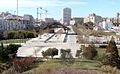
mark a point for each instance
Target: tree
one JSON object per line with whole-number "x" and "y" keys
{"x": 1, "y": 36}
{"x": 31, "y": 35}
{"x": 89, "y": 25}
{"x": 12, "y": 48}
{"x": 111, "y": 56}
{"x": 66, "y": 56}
{"x": 11, "y": 35}
{"x": 3, "y": 54}
{"x": 7, "y": 53}
{"x": 23, "y": 64}
{"x": 78, "y": 53}
{"x": 112, "y": 48}
{"x": 51, "y": 52}
{"x": 21, "y": 34}
{"x": 90, "y": 52}
{"x": 44, "y": 54}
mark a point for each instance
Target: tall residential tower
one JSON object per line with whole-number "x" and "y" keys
{"x": 66, "y": 16}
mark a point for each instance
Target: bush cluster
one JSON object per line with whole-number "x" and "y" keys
{"x": 90, "y": 52}
{"x": 50, "y": 52}
{"x": 8, "y": 53}
{"x": 67, "y": 57}
{"x": 20, "y": 34}
{"x": 23, "y": 64}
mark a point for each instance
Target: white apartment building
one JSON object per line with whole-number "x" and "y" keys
{"x": 114, "y": 19}
{"x": 13, "y": 22}
{"x": 6, "y": 25}
{"x": 93, "y": 18}
{"x": 106, "y": 25}
{"x": 66, "y": 16}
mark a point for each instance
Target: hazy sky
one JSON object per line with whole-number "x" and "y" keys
{"x": 79, "y": 7}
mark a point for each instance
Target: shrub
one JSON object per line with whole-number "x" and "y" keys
{"x": 83, "y": 47}
{"x": 7, "y": 53}
{"x": 23, "y": 64}
{"x": 78, "y": 53}
{"x": 30, "y": 35}
{"x": 50, "y": 52}
{"x": 67, "y": 57}
{"x": 103, "y": 46}
{"x": 90, "y": 52}
{"x": 110, "y": 69}
{"x": 11, "y": 35}
{"x": 20, "y": 34}
{"x": 44, "y": 54}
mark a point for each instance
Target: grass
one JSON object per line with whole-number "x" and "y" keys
{"x": 80, "y": 29}
{"x": 83, "y": 64}
{"x": 14, "y": 41}
{"x": 80, "y": 64}
{"x": 51, "y": 65}
{"x": 87, "y": 64}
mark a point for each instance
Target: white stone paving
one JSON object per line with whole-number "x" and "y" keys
{"x": 35, "y": 46}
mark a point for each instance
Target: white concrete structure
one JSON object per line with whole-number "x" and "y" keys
{"x": 93, "y": 18}
{"x": 106, "y": 25}
{"x": 66, "y": 15}
{"x": 35, "y": 46}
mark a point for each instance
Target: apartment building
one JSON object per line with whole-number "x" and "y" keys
{"x": 9, "y": 21}
{"x": 93, "y": 18}
{"x": 66, "y": 16}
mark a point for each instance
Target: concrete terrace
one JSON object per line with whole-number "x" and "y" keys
{"x": 64, "y": 40}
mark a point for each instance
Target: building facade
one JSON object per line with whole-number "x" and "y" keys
{"x": 66, "y": 16}
{"x": 28, "y": 19}
{"x": 9, "y": 22}
{"x": 76, "y": 20}
{"x": 106, "y": 25}
{"x": 93, "y": 18}
{"x": 49, "y": 20}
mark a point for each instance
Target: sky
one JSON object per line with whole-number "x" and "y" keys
{"x": 80, "y": 8}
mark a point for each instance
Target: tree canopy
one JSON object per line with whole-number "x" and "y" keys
{"x": 111, "y": 57}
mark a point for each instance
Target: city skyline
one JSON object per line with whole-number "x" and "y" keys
{"x": 80, "y": 8}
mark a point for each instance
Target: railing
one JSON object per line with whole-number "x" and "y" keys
{"x": 65, "y": 39}
{"x": 49, "y": 38}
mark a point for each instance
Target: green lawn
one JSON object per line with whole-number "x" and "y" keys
{"x": 78, "y": 64}
{"x": 14, "y": 41}
{"x": 54, "y": 65}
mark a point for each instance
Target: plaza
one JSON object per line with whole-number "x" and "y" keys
{"x": 64, "y": 40}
